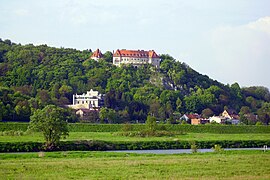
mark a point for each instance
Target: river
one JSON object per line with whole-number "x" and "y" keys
{"x": 180, "y": 151}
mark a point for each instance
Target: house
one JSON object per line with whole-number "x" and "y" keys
{"x": 83, "y": 112}
{"x": 136, "y": 57}
{"x": 97, "y": 55}
{"x": 218, "y": 119}
{"x": 88, "y": 114}
{"x": 230, "y": 114}
{"x": 189, "y": 117}
{"x": 197, "y": 121}
{"x": 90, "y": 100}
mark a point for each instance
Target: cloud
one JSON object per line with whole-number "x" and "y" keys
{"x": 241, "y": 53}
{"x": 262, "y": 24}
{"x": 21, "y": 12}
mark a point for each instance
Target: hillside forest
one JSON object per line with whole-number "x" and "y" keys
{"x": 32, "y": 77}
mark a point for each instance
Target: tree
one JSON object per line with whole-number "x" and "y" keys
{"x": 206, "y": 113}
{"x": 245, "y": 110}
{"x": 178, "y": 104}
{"x": 154, "y": 107}
{"x": 151, "y": 123}
{"x": 51, "y": 122}
{"x": 264, "y": 113}
{"x": 108, "y": 56}
{"x": 108, "y": 115}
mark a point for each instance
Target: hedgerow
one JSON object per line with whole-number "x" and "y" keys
{"x": 104, "y": 146}
{"x": 216, "y": 129}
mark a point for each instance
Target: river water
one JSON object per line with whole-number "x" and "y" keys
{"x": 180, "y": 151}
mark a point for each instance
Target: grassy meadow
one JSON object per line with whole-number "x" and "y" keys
{"x": 108, "y": 165}
{"x": 113, "y": 136}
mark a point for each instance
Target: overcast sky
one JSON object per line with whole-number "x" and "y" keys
{"x": 228, "y": 40}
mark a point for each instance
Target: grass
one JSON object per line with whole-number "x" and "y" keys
{"x": 107, "y": 165}
{"x": 106, "y": 136}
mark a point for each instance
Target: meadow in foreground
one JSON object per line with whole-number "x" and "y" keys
{"x": 108, "y": 165}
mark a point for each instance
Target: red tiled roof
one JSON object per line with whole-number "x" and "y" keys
{"x": 135, "y": 53}
{"x": 193, "y": 116}
{"x": 97, "y": 54}
{"x": 152, "y": 54}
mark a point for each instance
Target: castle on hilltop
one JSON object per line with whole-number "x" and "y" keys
{"x": 134, "y": 57}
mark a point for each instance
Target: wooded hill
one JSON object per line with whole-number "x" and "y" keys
{"x": 32, "y": 77}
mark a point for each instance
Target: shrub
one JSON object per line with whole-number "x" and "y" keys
{"x": 193, "y": 147}
{"x": 217, "y": 148}
{"x": 126, "y": 127}
{"x": 12, "y": 133}
{"x": 41, "y": 154}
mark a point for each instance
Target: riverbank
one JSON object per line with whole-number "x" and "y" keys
{"x": 104, "y": 165}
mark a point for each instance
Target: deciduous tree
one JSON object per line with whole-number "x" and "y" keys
{"x": 51, "y": 122}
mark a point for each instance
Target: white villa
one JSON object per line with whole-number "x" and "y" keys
{"x": 136, "y": 57}
{"x": 90, "y": 100}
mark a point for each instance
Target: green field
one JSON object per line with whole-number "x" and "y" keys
{"x": 107, "y": 165}
{"x": 106, "y": 136}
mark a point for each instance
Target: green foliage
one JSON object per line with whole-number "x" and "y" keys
{"x": 127, "y": 127}
{"x": 11, "y": 126}
{"x": 32, "y": 77}
{"x": 51, "y": 122}
{"x": 264, "y": 113}
{"x": 127, "y": 145}
{"x": 193, "y": 147}
{"x": 151, "y": 124}
{"x": 216, "y": 129}
{"x": 12, "y": 133}
{"x": 108, "y": 115}
{"x": 149, "y": 133}
{"x": 217, "y": 148}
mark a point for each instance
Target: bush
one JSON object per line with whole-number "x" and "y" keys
{"x": 126, "y": 127}
{"x": 12, "y": 133}
{"x": 15, "y": 126}
{"x": 193, "y": 147}
{"x": 217, "y": 148}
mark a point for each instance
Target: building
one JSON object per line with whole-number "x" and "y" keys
{"x": 230, "y": 114}
{"x": 91, "y": 100}
{"x": 198, "y": 121}
{"x": 97, "y": 55}
{"x": 189, "y": 117}
{"x": 218, "y": 119}
{"x": 88, "y": 115}
{"x": 136, "y": 57}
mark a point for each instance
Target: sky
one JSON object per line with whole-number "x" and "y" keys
{"x": 228, "y": 40}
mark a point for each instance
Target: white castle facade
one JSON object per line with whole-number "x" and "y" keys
{"x": 136, "y": 57}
